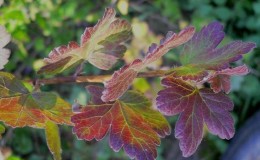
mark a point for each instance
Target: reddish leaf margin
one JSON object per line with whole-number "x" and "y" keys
{"x": 196, "y": 107}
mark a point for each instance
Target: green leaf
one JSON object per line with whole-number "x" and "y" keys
{"x": 2, "y": 130}
{"x": 53, "y": 139}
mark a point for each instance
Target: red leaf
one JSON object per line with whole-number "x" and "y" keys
{"x": 122, "y": 79}
{"x": 196, "y": 106}
{"x": 132, "y": 123}
{"x": 220, "y": 81}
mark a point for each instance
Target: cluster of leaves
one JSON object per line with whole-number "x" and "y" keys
{"x": 127, "y": 115}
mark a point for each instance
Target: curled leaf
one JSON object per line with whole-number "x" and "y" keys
{"x": 220, "y": 81}
{"x": 101, "y": 45}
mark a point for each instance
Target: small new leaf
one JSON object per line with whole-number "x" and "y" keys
{"x": 220, "y": 81}
{"x": 100, "y": 45}
{"x": 19, "y": 107}
{"x": 196, "y": 107}
{"x": 132, "y": 123}
{"x": 53, "y": 139}
{"x": 201, "y": 55}
{"x": 122, "y": 79}
{"x": 4, "y": 53}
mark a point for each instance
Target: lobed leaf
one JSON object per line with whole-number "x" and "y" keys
{"x": 101, "y": 45}
{"x": 19, "y": 107}
{"x": 4, "y": 53}
{"x": 53, "y": 139}
{"x": 132, "y": 123}
{"x": 196, "y": 107}
{"x": 220, "y": 81}
{"x": 201, "y": 54}
{"x": 122, "y": 79}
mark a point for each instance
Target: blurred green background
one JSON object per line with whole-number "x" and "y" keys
{"x": 37, "y": 26}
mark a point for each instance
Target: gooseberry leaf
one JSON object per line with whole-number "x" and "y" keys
{"x": 100, "y": 45}
{"x": 196, "y": 107}
{"x": 220, "y": 81}
{"x": 125, "y": 76}
{"x": 53, "y": 139}
{"x": 121, "y": 80}
{"x": 201, "y": 54}
{"x": 132, "y": 123}
{"x": 19, "y": 107}
{"x": 4, "y": 53}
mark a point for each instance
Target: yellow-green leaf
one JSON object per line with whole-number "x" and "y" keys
{"x": 53, "y": 139}
{"x": 19, "y": 107}
{"x": 2, "y": 130}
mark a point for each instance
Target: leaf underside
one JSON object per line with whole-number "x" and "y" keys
{"x": 132, "y": 123}
{"x": 101, "y": 45}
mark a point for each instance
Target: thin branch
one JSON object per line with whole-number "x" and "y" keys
{"x": 91, "y": 79}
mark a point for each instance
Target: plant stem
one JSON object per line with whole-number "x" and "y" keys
{"x": 92, "y": 79}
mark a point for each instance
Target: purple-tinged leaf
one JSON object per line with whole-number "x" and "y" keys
{"x": 207, "y": 39}
{"x": 221, "y": 57}
{"x": 196, "y": 107}
{"x": 201, "y": 55}
{"x": 96, "y": 93}
{"x": 189, "y": 127}
{"x": 220, "y": 81}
